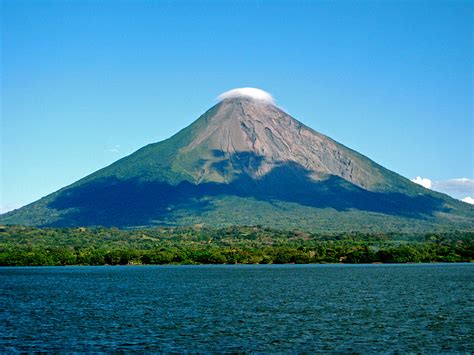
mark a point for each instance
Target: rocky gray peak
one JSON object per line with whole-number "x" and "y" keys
{"x": 244, "y": 126}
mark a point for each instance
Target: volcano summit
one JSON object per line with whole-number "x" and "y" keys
{"x": 245, "y": 161}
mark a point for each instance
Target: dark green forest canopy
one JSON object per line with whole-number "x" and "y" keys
{"x": 22, "y": 246}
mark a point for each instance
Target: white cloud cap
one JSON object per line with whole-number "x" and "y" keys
{"x": 468, "y": 199}
{"x": 252, "y": 93}
{"x": 426, "y": 183}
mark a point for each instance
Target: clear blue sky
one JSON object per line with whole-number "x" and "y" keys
{"x": 87, "y": 82}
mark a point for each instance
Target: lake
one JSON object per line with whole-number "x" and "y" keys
{"x": 262, "y": 308}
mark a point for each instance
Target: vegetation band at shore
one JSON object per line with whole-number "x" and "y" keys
{"x": 28, "y": 246}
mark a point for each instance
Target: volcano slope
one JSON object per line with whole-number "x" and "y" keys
{"x": 247, "y": 162}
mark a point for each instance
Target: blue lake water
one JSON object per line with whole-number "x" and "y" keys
{"x": 269, "y": 308}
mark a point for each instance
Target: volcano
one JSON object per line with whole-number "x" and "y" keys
{"x": 245, "y": 161}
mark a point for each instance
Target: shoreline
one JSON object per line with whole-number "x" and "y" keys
{"x": 250, "y": 265}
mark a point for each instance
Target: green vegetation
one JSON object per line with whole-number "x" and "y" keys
{"x": 28, "y": 246}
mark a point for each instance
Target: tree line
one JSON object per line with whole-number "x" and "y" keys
{"x": 28, "y": 246}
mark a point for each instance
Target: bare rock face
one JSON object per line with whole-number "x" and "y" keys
{"x": 255, "y": 129}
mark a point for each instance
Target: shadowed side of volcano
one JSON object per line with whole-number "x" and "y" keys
{"x": 133, "y": 202}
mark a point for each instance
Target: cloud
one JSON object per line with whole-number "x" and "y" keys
{"x": 468, "y": 199}
{"x": 115, "y": 149}
{"x": 252, "y": 93}
{"x": 8, "y": 207}
{"x": 426, "y": 183}
{"x": 457, "y": 188}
